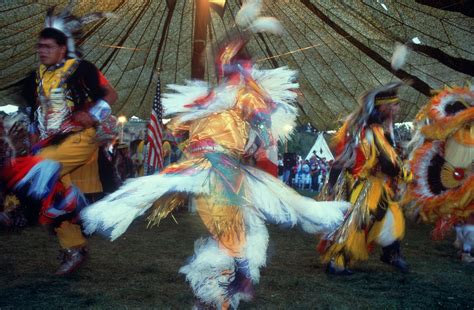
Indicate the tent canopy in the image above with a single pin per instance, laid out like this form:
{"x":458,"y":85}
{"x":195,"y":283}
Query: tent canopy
{"x":321,"y":148}
{"x":340,"y":48}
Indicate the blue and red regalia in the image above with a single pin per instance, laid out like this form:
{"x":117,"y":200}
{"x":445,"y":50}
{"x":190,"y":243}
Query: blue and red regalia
{"x":68,"y":101}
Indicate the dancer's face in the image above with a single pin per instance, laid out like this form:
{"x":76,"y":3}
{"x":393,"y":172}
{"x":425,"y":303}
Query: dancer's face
{"x":50,"y":52}
{"x":390,"y":111}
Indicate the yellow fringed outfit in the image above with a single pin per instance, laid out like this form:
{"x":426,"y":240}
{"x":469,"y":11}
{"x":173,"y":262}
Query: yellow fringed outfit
{"x":371,"y":196}
{"x":367,"y":171}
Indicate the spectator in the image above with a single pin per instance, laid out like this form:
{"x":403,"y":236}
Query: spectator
{"x":123,"y":162}
{"x":305,"y":175}
{"x":281,"y":167}
{"x":289,"y":162}
{"x":315,"y":172}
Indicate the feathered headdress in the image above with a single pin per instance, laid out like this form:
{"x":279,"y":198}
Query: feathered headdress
{"x":248,"y":21}
{"x":70,"y":25}
{"x":346,"y":139}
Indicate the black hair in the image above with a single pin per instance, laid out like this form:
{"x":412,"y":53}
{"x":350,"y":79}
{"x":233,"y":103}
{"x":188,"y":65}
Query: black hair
{"x":56,"y":35}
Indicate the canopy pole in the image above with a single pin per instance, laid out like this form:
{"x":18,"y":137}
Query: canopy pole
{"x":201,"y":21}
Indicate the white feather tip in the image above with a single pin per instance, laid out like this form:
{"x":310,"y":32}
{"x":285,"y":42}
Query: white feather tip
{"x":399,"y":56}
{"x":249,"y":12}
{"x":267,"y":24}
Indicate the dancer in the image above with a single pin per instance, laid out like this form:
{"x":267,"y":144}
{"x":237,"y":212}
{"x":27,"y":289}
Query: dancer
{"x":242,"y":116}
{"x":366,"y":172}
{"x":14,"y":141}
{"x":68,"y":98}
{"x":443,"y":166}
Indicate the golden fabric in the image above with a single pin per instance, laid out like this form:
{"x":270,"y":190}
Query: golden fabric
{"x":369,"y":150}
{"x":225,"y":223}
{"x":166,"y":148}
{"x":225,"y":132}
{"x":227,"y":129}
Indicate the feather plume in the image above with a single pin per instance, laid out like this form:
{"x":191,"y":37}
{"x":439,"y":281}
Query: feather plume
{"x":92,"y":17}
{"x":249,"y":11}
{"x":70,"y":25}
{"x":207,"y":271}
{"x":399,"y":56}
{"x":267,"y":24}
{"x":279,"y":85}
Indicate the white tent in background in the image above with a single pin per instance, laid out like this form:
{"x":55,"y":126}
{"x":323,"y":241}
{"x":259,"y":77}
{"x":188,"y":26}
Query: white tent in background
{"x":322,"y":149}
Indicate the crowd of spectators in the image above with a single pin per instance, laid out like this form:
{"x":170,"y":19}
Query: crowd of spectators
{"x":308,"y":174}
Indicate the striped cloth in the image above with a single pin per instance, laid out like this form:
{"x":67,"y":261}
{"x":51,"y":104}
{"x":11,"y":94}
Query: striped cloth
{"x":155,"y":134}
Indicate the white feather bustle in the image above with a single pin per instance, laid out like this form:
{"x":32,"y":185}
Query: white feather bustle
{"x":206,"y":270}
{"x":278,"y":84}
{"x":205,"y":274}
{"x":256,"y":243}
{"x":279,"y":204}
{"x":113,"y":214}
{"x":272,"y":199}
{"x":423,"y":188}
{"x":175,"y":104}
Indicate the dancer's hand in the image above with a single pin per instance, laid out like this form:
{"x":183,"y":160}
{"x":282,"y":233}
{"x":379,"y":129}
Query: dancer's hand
{"x":83,"y":118}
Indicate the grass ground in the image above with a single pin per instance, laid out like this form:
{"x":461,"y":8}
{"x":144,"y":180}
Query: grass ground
{"x":140,"y":270}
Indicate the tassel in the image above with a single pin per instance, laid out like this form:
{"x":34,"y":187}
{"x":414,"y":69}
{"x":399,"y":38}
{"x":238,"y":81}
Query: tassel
{"x":164,"y":206}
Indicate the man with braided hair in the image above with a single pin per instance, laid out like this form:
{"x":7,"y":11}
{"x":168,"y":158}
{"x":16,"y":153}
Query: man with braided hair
{"x":366,"y":172}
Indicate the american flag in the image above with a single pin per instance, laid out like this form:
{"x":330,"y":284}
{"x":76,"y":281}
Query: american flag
{"x":155,"y":134}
